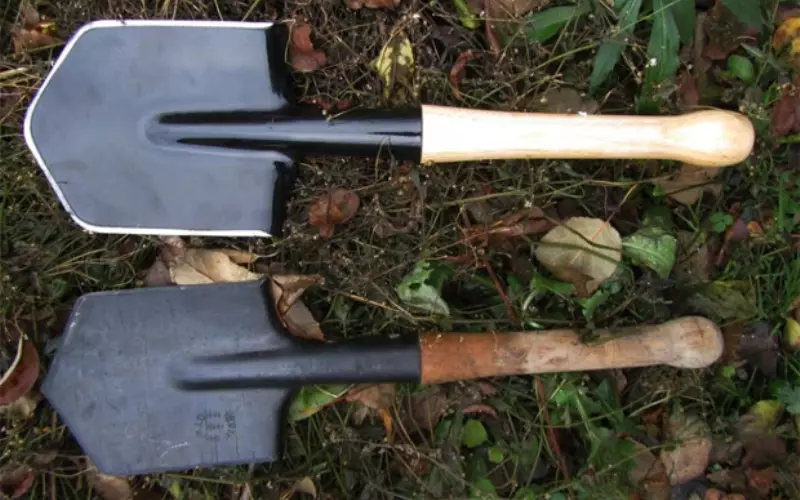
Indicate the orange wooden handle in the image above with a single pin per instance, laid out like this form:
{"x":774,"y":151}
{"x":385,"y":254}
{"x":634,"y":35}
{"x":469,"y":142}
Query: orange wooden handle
{"x":711,"y":138}
{"x":688,"y":342}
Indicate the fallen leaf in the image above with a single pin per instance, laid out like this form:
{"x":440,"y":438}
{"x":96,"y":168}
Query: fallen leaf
{"x":108,"y":487}
{"x":688,"y":184}
{"x":18,"y":380}
{"x":693,"y":262}
{"x":761,"y":480}
{"x":425,"y":409}
{"x":16,"y":480}
{"x":729,"y":479}
{"x":573,"y":248}
{"x":23,"y":407}
{"x":756,"y":430}
{"x":735,"y":233}
{"x":422,"y":287}
{"x":792,"y":334}
{"x":692,"y":439}
{"x":759,"y":347}
{"x":375,"y":396}
{"x":311,"y":399}
{"x":725,"y":301}
{"x":787,"y":38}
{"x":688,"y":95}
{"x":480,"y":408}
{"x":785,"y":118}
{"x":33,"y":32}
{"x":157,"y":275}
{"x":334,"y":207}
{"x":302,"y":485}
{"x":199,"y":266}
{"x":648,"y":474}
{"x":725,"y":451}
{"x":286,"y":290}
{"x":395,"y":63}
{"x":373,"y":4}
{"x":725,"y":32}
{"x":526,"y":221}
{"x":651,"y":247}
{"x":302,"y":55}
{"x":457,"y":71}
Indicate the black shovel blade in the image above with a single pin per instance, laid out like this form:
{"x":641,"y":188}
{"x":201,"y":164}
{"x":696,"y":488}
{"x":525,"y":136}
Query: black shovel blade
{"x":172,"y":378}
{"x":93,"y":125}
{"x":114,"y":381}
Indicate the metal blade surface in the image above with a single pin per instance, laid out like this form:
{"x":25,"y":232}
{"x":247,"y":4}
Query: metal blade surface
{"x":89,"y":127}
{"x":113,"y":378}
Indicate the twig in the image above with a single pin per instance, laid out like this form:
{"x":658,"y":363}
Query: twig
{"x":510,"y":310}
{"x":551,"y":435}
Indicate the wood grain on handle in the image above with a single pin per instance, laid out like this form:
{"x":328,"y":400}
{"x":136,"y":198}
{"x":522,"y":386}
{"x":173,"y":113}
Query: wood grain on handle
{"x":688,"y":342}
{"x":712,"y":138}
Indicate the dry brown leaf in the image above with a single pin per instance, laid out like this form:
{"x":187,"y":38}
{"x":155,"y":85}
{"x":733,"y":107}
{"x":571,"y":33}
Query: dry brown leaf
{"x":426,"y":409}
{"x":375,"y":396}
{"x":648,"y":474}
{"x":687,"y":185}
{"x":787,"y":37}
{"x":785,"y":117}
{"x":157,"y":274}
{"x":295,"y":316}
{"x":373,"y":4}
{"x":302,"y":54}
{"x":198,"y":266}
{"x":16,"y":480}
{"x":303,"y":485}
{"x":23,"y":407}
{"x":241,"y":257}
{"x":761,"y":480}
{"x":595,"y":251}
{"x":689,"y":457}
{"x":334,"y":207}
{"x":526,"y":221}
{"x":109,"y":487}
{"x":22,"y":374}
{"x":457,"y":71}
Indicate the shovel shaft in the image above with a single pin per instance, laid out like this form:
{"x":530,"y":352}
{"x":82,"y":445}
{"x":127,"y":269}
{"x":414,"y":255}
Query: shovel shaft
{"x":705,"y":138}
{"x":689,"y":342}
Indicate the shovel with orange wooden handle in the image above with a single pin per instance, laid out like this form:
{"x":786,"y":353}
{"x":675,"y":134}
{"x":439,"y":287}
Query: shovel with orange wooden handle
{"x":172,"y":378}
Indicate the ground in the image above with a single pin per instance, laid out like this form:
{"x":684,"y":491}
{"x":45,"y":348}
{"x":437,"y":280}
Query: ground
{"x":462,"y":247}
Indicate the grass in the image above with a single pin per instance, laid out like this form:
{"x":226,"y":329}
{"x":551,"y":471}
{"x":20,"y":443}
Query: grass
{"x":566,"y":435}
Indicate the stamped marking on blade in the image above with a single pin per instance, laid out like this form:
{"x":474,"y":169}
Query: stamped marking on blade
{"x":214,"y":425}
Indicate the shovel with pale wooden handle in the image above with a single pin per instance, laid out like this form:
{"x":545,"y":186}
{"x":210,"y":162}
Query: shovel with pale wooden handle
{"x":171,"y":378}
{"x":191,"y":128}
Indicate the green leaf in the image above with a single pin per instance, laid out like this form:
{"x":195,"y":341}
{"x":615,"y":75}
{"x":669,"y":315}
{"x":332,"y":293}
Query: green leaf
{"x":683,"y":11}
{"x":482,"y":488}
{"x":610,"y":52}
{"x":525,"y":494}
{"x":473,"y":434}
{"x":545,"y":24}
{"x":422,"y":287}
{"x":725,"y":301}
{"x":662,"y":50}
{"x":496,"y":454}
{"x":541,"y":284}
{"x":590,"y":304}
{"x":747,"y":11}
{"x":651,"y":247}
{"x":313,"y":398}
{"x":790,"y":396}
{"x":465,"y":14}
{"x":741,"y":68}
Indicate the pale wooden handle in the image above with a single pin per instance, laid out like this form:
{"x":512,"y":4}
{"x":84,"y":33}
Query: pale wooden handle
{"x":688,"y":342}
{"x":712,"y":138}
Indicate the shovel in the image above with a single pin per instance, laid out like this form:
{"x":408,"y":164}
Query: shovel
{"x":191,"y":128}
{"x":172,"y":378}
